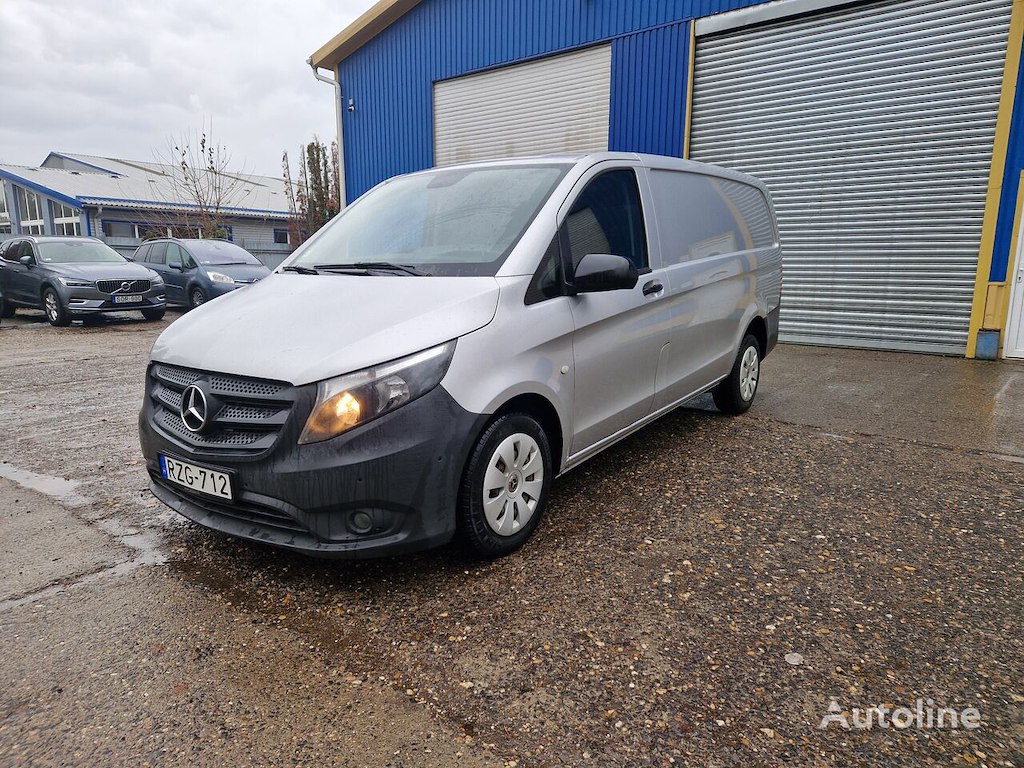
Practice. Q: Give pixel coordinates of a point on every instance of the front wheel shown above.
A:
(156, 313)
(54, 310)
(196, 297)
(736, 393)
(505, 486)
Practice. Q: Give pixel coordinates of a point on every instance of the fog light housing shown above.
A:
(361, 522)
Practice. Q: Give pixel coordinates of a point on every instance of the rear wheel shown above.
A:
(196, 297)
(54, 310)
(736, 393)
(505, 486)
(156, 313)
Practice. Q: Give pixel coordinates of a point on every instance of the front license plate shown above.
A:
(195, 478)
(127, 299)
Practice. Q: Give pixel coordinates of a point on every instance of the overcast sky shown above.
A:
(118, 78)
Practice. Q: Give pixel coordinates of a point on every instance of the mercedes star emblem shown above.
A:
(193, 408)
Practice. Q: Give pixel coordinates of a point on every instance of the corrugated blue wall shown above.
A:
(391, 78)
(648, 95)
(1011, 180)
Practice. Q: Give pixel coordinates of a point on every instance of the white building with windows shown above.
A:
(123, 202)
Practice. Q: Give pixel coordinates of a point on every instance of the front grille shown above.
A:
(244, 414)
(122, 286)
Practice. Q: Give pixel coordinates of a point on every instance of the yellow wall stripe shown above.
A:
(995, 179)
(689, 88)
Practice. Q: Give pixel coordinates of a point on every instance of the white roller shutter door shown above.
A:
(873, 127)
(552, 105)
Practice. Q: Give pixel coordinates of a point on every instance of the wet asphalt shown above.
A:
(697, 595)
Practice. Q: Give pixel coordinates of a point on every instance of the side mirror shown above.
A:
(604, 272)
(28, 261)
(175, 265)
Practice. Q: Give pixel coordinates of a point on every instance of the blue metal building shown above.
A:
(888, 131)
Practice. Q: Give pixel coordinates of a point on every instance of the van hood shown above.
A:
(305, 328)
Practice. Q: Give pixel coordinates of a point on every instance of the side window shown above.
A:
(158, 253)
(701, 216)
(142, 254)
(607, 218)
(12, 252)
(547, 281)
(174, 253)
(186, 260)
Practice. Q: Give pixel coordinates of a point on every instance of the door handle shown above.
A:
(651, 287)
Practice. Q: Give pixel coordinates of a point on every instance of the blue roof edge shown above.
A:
(35, 187)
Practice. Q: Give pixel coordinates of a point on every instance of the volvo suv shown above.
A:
(69, 277)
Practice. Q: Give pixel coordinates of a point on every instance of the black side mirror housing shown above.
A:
(598, 272)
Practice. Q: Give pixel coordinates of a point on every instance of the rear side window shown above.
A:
(157, 253)
(701, 216)
(9, 250)
(607, 218)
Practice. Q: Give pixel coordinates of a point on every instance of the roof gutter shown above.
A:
(341, 136)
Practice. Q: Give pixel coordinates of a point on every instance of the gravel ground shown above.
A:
(697, 595)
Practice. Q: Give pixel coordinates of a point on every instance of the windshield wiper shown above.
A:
(300, 270)
(383, 266)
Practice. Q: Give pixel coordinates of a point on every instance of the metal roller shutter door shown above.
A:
(557, 104)
(873, 127)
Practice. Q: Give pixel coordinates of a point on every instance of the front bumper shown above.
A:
(83, 301)
(402, 470)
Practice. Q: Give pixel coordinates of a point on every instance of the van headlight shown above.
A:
(348, 401)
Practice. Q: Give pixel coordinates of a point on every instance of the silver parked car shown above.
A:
(70, 277)
(431, 360)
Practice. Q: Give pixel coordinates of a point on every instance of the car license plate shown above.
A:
(196, 478)
(127, 299)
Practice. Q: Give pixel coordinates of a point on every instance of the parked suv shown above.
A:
(433, 358)
(196, 271)
(70, 277)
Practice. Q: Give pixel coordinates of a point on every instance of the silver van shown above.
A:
(432, 360)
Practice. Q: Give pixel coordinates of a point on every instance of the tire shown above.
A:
(499, 509)
(196, 297)
(6, 308)
(736, 393)
(154, 314)
(56, 314)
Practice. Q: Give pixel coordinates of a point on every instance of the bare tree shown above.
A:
(200, 184)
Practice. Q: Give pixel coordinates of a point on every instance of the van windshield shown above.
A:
(457, 221)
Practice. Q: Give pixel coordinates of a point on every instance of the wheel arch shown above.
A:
(758, 328)
(541, 409)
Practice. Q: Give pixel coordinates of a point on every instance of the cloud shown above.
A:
(120, 77)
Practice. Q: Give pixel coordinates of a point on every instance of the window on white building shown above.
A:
(66, 219)
(5, 215)
(30, 209)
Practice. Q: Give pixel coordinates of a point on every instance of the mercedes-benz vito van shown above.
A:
(432, 359)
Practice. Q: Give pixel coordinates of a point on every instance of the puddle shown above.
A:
(64, 491)
(1006, 457)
